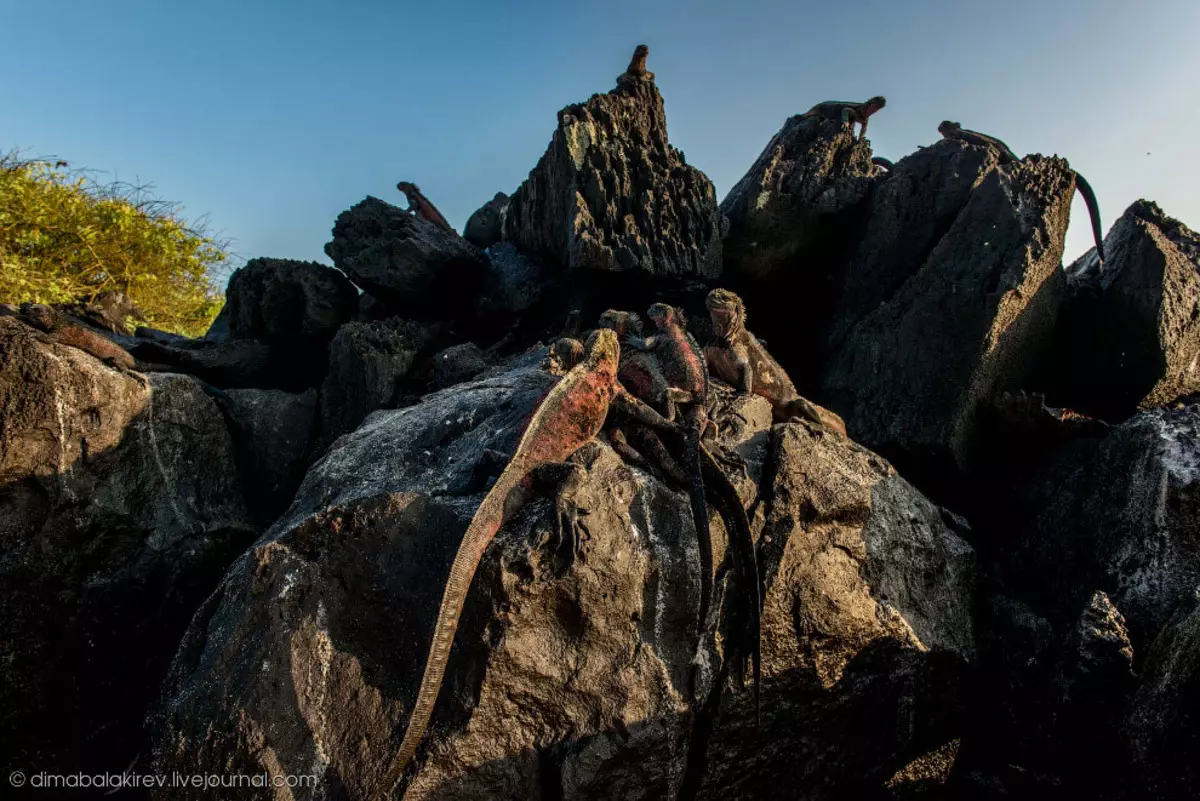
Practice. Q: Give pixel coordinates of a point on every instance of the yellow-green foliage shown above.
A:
(65, 237)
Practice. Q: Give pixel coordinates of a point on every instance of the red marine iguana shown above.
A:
(572, 413)
(846, 112)
(954, 130)
(737, 357)
(420, 204)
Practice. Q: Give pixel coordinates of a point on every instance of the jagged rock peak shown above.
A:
(612, 194)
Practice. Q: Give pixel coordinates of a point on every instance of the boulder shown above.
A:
(611, 194)
(796, 196)
(513, 283)
(1121, 518)
(905, 219)
(486, 226)
(273, 432)
(1128, 337)
(421, 269)
(970, 323)
(867, 628)
(281, 300)
(367, 361)
(1163, 726)
(570, 677)
(458, 363)
(120, 508)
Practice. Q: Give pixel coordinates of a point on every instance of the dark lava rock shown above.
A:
(242, 363)
(513, 283)
(1164, 724)
(611, 194)
(273, 433)
(458, 363)
(423, 270)
(277, 300)
(906, 218)
(367, 361)
(1123, 518)
(794, 197)
(971, 322)
(1128, 337)
(571, 678)
(120, 508)
(486, 226)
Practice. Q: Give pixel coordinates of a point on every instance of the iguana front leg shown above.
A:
(567, 478)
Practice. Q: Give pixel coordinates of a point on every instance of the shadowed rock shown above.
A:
(971, 322)
(458, 363)
(1122, 518)
(570, 678)
(1129, 334)
(284, 300)
(120, 507)
(905, 219)
(1164, 723)
(486, 226)
(422, 270)
(273, 432)
(513, 283)
(367, 361)
(795, 197)
(611, 194)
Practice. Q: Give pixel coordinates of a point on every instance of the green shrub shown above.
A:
(66, 237)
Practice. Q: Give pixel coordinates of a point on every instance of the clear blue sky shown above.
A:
(271, 118)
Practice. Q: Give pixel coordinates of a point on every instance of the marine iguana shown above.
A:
(641, 373)
(954, 130)
(687, 386)
(844, 111)
(564, 353)
(637, 66)
(420, 204)
(58, 327)
(736, 356)
(571, 414)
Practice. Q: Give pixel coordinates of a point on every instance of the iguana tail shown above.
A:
(692, 449)
(487, 521)
(882, 162)
(729, 503)
(1093, 207)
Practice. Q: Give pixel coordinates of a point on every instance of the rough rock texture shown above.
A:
(1129, 333)
(425, 271)
(513, 283)
(866, 627)
(808, 176)
(569, 678)
(906, 218)
(284, 300)
(458, 363)
(1126, 520)
(367, 361)
(273, 432)
(611, 194)
(486, 226)
(1164, 723)
(120, 508)
(241, 363)
(973, 321)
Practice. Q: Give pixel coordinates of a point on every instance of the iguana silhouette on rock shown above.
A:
(954, 130)
(571, 414)
(420, 204)
(737, 357)
(847, 112)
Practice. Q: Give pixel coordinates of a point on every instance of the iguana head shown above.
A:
(641, 51)
(622, 322)
(39, 315)
(410, 190)
(664, 316)
(564, 354)
(947, 128)
(727, 311)
(603, 349)
(874, 104)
